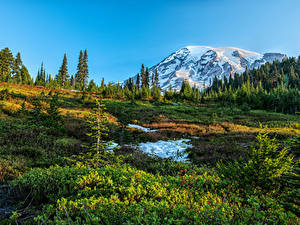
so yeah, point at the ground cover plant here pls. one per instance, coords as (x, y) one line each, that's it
(243, 165)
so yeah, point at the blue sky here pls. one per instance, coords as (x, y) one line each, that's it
(121, 35)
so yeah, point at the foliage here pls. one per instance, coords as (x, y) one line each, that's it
(130, 187)
(118, 195)
(266, 163)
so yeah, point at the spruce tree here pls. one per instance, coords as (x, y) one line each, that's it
(26, 78)
(63, 75)
(102, 83)
(92, 86)
(156, 79)
(152, 81)
(85, 69)
(54, 118)
(143, 76)
(72, 81)
(17, 68)
(98, 121)
(147, 77)
(79, 74)
(6, 64)
(138, 81)
(41, 76)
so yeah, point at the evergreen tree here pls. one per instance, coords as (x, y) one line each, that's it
(79, 74)
(6, 64)
(41, 76)
(85, 69)
(147, 77)
(54, 118)
(63, 75)
(17, 68)
(152, 81)
(143, 76)
(138, 81)
(98, 121)
(25, 76)
(92, 86)
(186, 90)
(73, 81)
(156, 79)
(102, 83)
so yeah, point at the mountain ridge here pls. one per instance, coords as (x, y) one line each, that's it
(199, 64)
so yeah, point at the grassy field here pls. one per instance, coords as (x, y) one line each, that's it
(216, 133)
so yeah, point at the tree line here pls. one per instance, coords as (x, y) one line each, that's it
(273, 86)
(13, 70)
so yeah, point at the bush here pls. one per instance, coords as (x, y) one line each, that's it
(11, 168)
(49, 184)
(122, 195)
(266, 163)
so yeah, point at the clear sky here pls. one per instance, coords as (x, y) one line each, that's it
(121, 35)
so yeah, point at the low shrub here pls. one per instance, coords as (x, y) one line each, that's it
(11, 168)
(49, 184)
(266, 163)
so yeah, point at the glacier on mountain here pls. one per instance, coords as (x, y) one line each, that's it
(199, 64)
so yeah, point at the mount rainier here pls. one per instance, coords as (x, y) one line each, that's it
(199, 64)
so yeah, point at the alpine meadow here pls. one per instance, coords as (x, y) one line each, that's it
(203, 135)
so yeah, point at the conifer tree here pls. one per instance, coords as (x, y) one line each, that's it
(147, 77)
(138, 81)
(54, 118)
(85, 69)
(143, 76)
(17, 68)
(156, 79)
(92, 86)
(6, 64)
(152, 81)
(98, 121)
(25, 76)
(72, 81)
(63, 75)
(41, 76)
(102, 83)
(79, 74)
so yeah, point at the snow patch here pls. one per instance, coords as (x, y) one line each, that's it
(147, 130)
(167, 149)
(112, 146)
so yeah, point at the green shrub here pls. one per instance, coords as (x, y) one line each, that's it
(11, 168)
(49, 184)
(65, 142)
(267, 161)
(122, 195)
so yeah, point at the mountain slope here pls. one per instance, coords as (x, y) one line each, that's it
(199, 64)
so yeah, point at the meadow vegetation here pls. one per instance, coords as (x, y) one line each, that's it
(243, 166)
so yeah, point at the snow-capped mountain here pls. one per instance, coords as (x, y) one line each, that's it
(199, 64)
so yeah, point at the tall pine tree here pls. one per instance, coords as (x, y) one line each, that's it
(79, 74)
(6, 64)
(63, 75)
(85, 69)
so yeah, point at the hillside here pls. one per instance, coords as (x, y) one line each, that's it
(57, 180)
